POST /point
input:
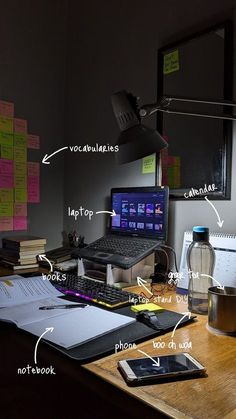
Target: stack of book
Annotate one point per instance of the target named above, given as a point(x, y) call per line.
point(21, 252)
point(55, 256)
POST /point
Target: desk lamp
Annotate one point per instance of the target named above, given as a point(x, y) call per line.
point(136, 140)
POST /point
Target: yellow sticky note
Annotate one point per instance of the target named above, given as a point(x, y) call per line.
point(148, 306)
point(20, 168)
point(149, 164)
point(6, 151)
point(20, 139)
point(21, 195)
point(6, 195)
point(171, 62)
point(6, 209)
point(9, 283)
point(20, 154)
point(20, 181)
point(6, 124)
point(6, 139)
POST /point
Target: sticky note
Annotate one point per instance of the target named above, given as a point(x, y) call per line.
point(20, 154)
point(6, 108)
point(21, 195)
point(6, 152)
point(19, 223)
point(20, 181)
point(148, 306)
point(33, 189)
point(33, 168)
point(20, 139)
point(171, 62)
point(6, 223)
point(20, 125)
point(6, 181)
point(6, 195)
point(6, 124)
point(20, 168)
point(6, 166)
point(33, 141)
point(149, 164)
point(6, 138)
point(20, 209)
point(6, 209)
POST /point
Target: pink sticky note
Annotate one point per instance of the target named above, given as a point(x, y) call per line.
point(6, 108)
point(20, 125)
point(33, 189)
point(6, 166)
point(6, 181)
point(33, 168)
point(33, 141)
point(20, 223)
point(20, 209)
point(6, 223)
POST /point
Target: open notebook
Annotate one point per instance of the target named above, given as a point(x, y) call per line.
point(71, 327)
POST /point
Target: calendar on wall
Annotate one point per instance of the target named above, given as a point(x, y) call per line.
point(19, 178)
point(224, 245)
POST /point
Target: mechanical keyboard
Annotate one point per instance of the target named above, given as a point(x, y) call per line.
point(95, 291)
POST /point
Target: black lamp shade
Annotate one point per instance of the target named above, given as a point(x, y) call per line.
point(138, 142)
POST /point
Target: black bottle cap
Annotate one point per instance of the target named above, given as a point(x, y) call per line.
point(200, 234)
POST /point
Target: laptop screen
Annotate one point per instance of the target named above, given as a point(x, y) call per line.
point(140, 211)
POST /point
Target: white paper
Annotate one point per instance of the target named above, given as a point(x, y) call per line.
point(29, 313)
point(15, 291)
point(79, 326)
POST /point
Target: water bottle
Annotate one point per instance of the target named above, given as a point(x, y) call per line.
point(200, 261)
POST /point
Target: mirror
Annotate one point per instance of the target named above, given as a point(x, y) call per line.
point(199, 152)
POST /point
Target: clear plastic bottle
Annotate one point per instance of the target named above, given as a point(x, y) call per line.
point(200, 260)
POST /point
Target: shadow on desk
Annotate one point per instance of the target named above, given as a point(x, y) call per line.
point(70, 394)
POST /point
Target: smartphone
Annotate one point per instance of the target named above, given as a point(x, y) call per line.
point(139, 371)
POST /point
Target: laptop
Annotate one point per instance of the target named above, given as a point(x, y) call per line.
point(138, 227)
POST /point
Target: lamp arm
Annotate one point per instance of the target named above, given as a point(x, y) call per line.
point(164, 103)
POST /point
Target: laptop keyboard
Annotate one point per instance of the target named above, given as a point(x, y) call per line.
point(124, 247)
point(95, 291)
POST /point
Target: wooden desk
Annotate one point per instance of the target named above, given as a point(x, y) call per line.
point(213, 396)
point(97, 390)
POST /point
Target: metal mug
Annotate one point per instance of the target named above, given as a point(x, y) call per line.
point(222, 309)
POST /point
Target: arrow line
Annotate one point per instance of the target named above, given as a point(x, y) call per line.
point(185, 315)
point(221, 287)
point(36, 346)
point(46, 157)
point(113, 213)
point(219, 222)
point(141, 283)
point(153, 360)
point(43, 257)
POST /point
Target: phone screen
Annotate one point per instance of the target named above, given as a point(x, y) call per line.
point(167, 364)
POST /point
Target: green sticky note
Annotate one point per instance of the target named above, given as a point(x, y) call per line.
point(20, 139)
point(6, 195)
point(6, 124)
point(6, 152)
point(20, 168)
point(20, 154)
point(6, 209)
point(20, 181)
point(149, 164)
point(171, 62)
point(21, 195)
point(6, 139)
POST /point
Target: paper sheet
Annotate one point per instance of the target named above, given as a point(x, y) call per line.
point(25, 290)
point(20, 125)
point(6, 108)
point(20, 209)
point(33, 141)
point(6, 223)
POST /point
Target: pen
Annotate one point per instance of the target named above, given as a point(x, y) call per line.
point(63, 306)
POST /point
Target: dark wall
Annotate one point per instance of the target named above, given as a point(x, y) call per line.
point(32, 74)
point(113, 46)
